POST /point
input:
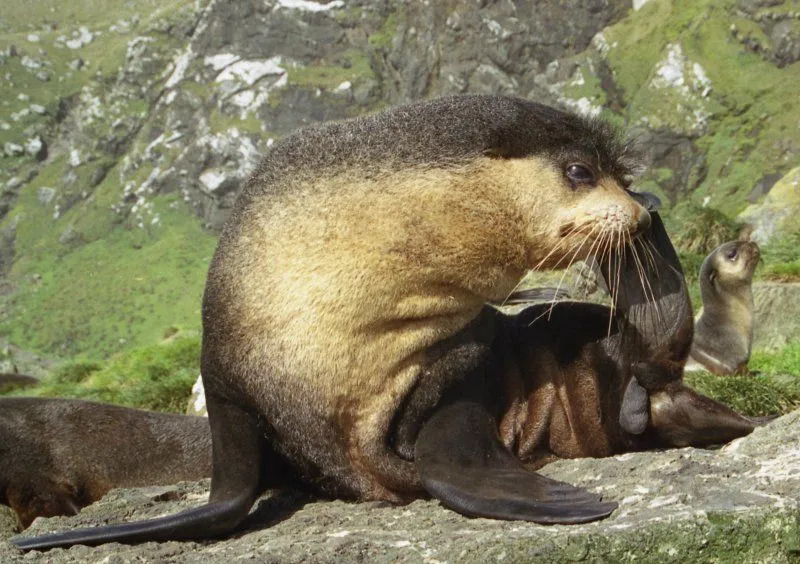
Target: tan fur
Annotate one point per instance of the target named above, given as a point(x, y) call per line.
point(357, 275)
point(724, 327)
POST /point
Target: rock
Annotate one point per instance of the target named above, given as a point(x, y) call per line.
point(36, 147)
point(776, 212)
point(740, 503)
point(13, 149)
point(777, 314)
point(45, 195)
point(197, 401)
point(9, 524)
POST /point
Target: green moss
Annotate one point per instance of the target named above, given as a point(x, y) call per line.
point(220, 122)
point(25, 16)
point(382, 39)
point(752, 106)
point(763, 394)
point(586, 84)
point(120, 288)
point(157, 377)
point(355, 65)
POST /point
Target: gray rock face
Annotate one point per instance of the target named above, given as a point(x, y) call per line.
point(740, 503)
point(777, 314)
point(780, 42)
point(201, 96)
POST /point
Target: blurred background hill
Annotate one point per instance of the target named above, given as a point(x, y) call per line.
point(127, 126)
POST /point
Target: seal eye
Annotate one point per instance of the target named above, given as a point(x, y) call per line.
point(732, 254)
point(579, 174)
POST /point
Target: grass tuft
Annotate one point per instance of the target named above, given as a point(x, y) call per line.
point(775, 387)
point(157, 377)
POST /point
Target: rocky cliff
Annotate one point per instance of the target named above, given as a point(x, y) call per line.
point(125, 132)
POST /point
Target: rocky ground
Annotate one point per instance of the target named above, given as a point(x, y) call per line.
point(740, 503)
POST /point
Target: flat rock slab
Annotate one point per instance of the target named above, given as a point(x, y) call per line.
point(740, 503)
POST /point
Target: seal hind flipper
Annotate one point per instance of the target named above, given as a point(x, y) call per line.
point(238, 456)
point(682, 417)
point(462, 463)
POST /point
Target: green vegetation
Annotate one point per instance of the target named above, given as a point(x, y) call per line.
point(774, 363)
point(382, 39)
point(122, 287)
point(781, 260)
point(157, 377)
point(354, 65)
point(751, 107)
point(751, 395)
point(773, 388)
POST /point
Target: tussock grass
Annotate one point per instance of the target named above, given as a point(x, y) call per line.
point(157, 377)
point(774, 386)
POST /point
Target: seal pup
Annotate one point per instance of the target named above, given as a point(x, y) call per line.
point(59, 455)
point(723, 336)
point(354, 261)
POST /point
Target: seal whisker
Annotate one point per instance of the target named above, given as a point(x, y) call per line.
point(651, 260)
point(566, 268)
point(657, 305)
point(556, 248)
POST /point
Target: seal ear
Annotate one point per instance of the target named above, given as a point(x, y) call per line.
point(682, 417)
point(634, 412)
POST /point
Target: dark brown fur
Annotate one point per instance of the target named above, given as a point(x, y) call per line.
point(567, 368)
point(59, 455)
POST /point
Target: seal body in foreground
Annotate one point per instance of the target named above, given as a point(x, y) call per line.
point(574, 379)
point(355, 259)
point(59, 455)
point(723, 336)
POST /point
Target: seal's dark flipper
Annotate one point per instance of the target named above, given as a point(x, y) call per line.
point(462, 463)
point(682, 417)
point(235, 482)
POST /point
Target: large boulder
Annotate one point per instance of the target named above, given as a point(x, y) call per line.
point(777, 314)
point(740, 503)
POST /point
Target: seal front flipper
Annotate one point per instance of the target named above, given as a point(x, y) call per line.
point(462, 463)
point(238, 456)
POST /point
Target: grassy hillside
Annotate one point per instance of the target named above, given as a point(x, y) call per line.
point(84, 278)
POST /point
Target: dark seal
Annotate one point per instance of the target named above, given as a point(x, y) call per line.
point(59, 455)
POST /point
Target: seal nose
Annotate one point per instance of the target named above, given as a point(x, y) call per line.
point(644, 221)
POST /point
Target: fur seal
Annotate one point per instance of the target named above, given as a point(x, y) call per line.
point(349, 278)
point(568, 372)
point(59, 455)
point(723, 336)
